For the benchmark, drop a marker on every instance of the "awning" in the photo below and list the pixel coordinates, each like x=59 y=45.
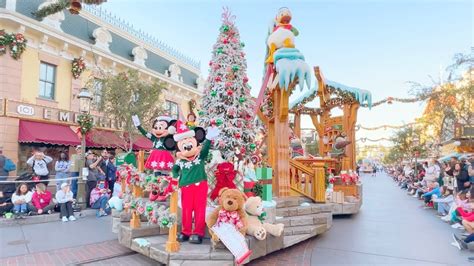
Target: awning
x=37 y=132
x=448 y=157
x=97 y=138
x=142 y=143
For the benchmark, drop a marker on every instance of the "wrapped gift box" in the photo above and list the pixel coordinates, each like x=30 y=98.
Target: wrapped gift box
x=248 y=188
x=264 y=176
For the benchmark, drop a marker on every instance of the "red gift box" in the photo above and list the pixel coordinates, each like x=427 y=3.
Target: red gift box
x=248 y=187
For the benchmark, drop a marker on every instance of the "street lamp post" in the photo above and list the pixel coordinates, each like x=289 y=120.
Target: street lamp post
x=85 y=99
x=416 y=143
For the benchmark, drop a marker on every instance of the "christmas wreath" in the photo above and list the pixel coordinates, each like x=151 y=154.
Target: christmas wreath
x=130 y=174
x=157 y=214
x=85 y=122
x=78 y=66
x=15 y=41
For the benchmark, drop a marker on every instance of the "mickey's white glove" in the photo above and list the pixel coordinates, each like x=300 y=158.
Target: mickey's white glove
x=136 y=120
x=212 y=133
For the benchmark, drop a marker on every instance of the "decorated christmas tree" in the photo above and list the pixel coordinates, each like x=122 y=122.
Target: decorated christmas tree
x=227 y=102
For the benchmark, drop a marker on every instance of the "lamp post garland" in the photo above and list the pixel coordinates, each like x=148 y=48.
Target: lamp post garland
x=85 y=121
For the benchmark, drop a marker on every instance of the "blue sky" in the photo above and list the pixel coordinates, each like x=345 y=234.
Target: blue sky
x=374 y=45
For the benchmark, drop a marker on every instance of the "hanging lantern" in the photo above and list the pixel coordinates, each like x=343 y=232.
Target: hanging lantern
x=75 y=7
x=390 y=100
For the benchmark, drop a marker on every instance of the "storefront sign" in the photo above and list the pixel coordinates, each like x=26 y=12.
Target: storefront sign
x=37 y=112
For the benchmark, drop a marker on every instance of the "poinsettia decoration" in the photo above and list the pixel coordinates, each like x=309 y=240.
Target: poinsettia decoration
x=15 y=41
x=78 y=66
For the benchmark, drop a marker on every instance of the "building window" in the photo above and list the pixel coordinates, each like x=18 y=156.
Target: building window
x=172 y=109
x=97 y=98
x=47 y=81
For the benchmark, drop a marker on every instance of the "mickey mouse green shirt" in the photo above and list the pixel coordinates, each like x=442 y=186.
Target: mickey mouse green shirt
x=191 y=172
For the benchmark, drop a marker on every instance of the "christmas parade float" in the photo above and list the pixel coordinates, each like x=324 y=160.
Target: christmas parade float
x=231 y=195
x=336 y=138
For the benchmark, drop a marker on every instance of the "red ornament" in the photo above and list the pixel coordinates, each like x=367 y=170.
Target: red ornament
x=243 y=150
x=225 y=41
x=230 y=92
x=237 y=135
x=210 y=63
x=246 y=79
x=218 y=78
x=228 y=84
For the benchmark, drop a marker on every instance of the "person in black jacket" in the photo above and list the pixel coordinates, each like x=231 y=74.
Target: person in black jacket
x=5 y=204
x=462 y=177
x=109 y=169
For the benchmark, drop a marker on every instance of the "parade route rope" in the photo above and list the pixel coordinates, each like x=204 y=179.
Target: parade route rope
x=35 y=181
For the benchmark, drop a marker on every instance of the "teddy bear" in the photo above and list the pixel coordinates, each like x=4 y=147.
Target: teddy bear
x=256 y=227
x=230 y=210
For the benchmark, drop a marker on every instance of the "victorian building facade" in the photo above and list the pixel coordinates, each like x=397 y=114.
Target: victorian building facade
x=38 y=93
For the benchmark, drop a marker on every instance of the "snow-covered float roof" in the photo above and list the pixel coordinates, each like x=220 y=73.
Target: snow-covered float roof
x=364 y=97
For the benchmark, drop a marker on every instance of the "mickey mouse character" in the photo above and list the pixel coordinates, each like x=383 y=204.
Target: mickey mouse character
x=189 y=168
x=160 y=159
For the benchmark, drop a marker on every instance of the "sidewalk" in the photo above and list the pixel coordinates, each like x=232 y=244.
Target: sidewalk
x=27 y=239
x=73 y=255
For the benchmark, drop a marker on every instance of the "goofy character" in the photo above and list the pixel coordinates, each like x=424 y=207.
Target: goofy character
x=189 y=168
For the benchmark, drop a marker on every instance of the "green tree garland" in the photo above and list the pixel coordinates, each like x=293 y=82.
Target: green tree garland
x=53 y=8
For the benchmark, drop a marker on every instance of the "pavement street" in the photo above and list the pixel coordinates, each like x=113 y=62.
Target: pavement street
x=32 y=238
x=390 y=228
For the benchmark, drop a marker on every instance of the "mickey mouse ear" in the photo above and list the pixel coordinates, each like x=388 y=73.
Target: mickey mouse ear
x=171 y=130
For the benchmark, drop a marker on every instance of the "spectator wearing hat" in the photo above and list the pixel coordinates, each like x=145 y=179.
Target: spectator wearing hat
x=65 y=200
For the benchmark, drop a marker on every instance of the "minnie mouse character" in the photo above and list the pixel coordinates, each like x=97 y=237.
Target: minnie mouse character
x=189 y=168
x=160 y=159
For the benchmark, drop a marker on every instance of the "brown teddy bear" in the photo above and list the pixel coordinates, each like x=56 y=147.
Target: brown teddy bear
x=256 y=226
x=230 y=210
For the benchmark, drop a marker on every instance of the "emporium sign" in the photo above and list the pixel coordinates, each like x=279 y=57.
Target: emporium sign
x=36 y=112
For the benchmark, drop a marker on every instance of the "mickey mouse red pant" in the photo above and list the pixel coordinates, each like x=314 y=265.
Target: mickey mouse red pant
x=194 y=199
